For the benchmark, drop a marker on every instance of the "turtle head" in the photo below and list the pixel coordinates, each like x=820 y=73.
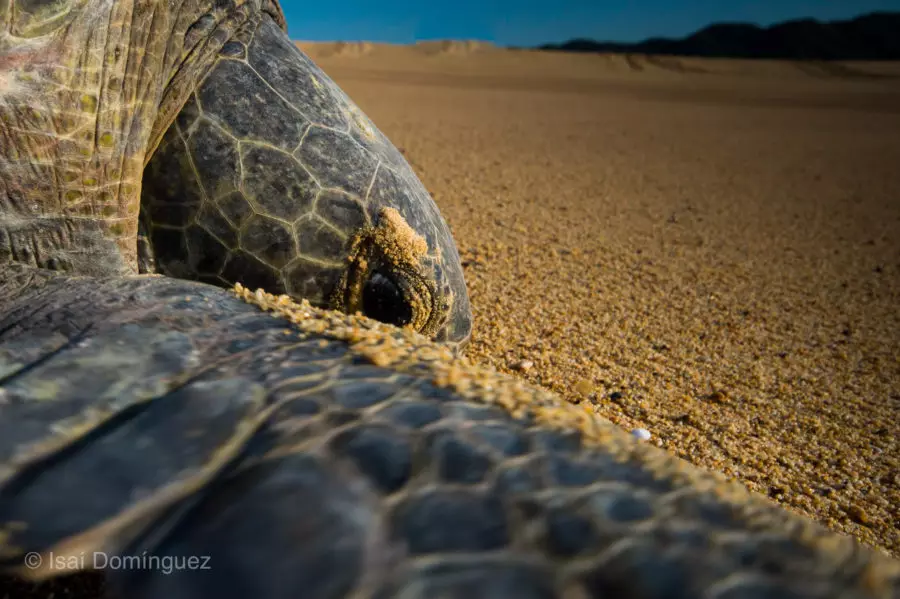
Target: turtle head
x=272 y=177
x=201 y=123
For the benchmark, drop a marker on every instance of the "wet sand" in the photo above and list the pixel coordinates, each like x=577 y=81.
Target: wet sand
x=708 y=249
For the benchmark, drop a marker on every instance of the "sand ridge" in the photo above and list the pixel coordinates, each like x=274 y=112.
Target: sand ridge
x=707 y=249
x=477 y=56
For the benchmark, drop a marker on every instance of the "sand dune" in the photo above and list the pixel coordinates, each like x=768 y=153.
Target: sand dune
x=453 y=47
x=709 y=249
x=485 y=58
x=319 y=50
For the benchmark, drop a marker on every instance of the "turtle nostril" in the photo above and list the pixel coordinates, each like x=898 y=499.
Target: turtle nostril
x=383 y=301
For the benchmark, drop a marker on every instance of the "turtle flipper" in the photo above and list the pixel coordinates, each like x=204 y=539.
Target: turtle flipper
x=296 y=524
x=85 y=470
x=302 y=464
x=96 y=411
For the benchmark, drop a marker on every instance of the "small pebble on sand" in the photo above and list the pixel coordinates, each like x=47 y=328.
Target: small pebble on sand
x=719 y=396
x=584 y=387
x=641 y=434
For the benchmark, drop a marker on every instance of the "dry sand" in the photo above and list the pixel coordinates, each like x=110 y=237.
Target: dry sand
x=708 y=249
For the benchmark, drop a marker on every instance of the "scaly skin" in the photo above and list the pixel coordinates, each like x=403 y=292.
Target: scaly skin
x=270 y=174
x=273 y=201
x=318 y=455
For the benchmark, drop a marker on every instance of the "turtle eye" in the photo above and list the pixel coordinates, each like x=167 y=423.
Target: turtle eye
x=383 y=301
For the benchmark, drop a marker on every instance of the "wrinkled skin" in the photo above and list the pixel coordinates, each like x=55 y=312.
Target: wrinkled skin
x=261 y=170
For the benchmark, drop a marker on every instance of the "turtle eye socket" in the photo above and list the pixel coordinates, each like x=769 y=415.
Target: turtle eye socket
x=383 y=301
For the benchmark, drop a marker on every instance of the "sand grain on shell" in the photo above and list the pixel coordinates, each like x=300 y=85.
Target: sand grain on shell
x=709 y=250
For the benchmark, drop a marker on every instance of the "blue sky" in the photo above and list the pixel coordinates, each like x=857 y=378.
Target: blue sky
x=531 y=22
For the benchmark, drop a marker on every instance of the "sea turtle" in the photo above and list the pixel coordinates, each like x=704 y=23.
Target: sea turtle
x=201 y=125
x=184 y=442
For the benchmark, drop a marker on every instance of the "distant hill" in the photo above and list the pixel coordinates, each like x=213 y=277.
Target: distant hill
x=874 y=36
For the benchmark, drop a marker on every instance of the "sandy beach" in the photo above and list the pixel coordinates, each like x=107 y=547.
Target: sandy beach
x=707 y=249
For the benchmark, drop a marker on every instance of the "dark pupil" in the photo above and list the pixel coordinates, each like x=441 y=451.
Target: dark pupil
x=382 y=300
